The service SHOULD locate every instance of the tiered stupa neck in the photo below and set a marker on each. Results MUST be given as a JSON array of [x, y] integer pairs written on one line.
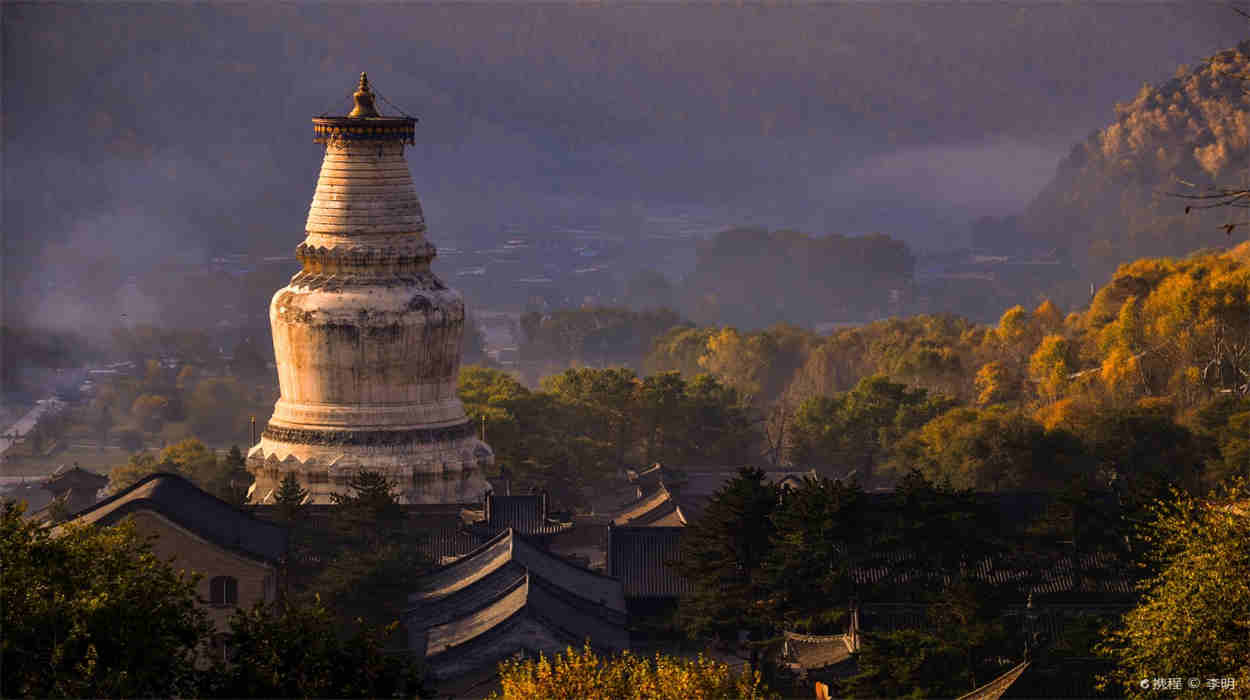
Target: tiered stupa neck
[[365, 222]]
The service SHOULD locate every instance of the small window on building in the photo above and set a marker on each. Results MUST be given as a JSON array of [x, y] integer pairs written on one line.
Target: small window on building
[[223, 590]]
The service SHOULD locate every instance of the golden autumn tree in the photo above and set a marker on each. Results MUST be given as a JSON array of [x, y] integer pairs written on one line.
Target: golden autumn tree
[[1052, 365], [1015, 334], [996, 383], [737, 359], [574, 675], [1048, 317]]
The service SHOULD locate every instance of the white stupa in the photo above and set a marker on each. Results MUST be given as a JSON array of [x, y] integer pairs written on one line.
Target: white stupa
[[366, 337]]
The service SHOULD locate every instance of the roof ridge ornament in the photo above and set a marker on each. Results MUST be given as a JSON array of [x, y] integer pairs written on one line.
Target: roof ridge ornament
[[364, 100]]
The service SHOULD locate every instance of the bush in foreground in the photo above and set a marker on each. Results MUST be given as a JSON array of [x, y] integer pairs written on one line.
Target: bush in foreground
[[575, 675]]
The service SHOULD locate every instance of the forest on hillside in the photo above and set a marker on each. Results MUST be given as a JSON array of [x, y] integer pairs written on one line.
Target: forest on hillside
[[1119, 194], [1151, 383]]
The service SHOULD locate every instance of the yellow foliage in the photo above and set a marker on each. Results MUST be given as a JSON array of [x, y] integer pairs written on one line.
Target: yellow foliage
[[1051, 365], [1120, 373], [1065, 413], [741, 361], [1161, 405], [1014, 326], [1048, 317], [994, 384], [574, 675]]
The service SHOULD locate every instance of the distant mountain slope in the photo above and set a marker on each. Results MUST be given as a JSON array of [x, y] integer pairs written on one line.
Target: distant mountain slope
[[1110, 200]]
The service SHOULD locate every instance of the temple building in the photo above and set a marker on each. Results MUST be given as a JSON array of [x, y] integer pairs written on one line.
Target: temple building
[[366, 338], [239, 556]]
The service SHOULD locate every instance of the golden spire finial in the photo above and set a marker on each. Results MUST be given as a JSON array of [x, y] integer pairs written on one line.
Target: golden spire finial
[[364, 100]]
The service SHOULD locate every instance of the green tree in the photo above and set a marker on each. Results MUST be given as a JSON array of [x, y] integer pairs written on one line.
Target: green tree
[[92, 612], [224, 478], [291, 649], [369, 506], [602, 405], [1141, 451], [723, 555], [989, 449], [373, 558], [1191, 619], [678, 350], [136, 468], [953, 654], [932, 529], [718, 428], [820, 536], [662, 417], [907, 663], [233, 479], [289, 498], [857, 430]]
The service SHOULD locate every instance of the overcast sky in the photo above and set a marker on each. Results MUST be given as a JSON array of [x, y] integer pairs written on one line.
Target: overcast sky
[[160, 128]]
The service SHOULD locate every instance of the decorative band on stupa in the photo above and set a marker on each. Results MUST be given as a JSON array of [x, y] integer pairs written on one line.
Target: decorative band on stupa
[[366, 337]]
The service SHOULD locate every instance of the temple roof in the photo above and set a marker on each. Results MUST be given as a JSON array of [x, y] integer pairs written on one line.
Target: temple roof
[[527, 514], [657, 508], [75, 477], [1097, 573], [812, 651], [510, 596], [182, 502], [995, 688], [510, 547], [640, 558], [689, 492]]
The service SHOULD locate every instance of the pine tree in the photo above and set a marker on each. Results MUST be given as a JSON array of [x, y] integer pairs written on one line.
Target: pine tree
[[723, 555], [234, 458], [289, 498], [235, 478]]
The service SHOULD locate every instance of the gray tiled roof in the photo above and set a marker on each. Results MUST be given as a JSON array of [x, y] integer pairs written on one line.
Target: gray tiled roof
[[75, 478], [995, 688], [182, 502], [506, 596], [640, 557], [808, 651], [1088, 573], [658, 507]]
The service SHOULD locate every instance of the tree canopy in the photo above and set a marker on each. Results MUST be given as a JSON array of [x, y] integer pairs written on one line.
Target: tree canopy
[[93, 612], [1191, 620]]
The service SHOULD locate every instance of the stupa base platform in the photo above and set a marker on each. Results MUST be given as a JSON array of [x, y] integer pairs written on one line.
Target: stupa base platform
[[444, 471]]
